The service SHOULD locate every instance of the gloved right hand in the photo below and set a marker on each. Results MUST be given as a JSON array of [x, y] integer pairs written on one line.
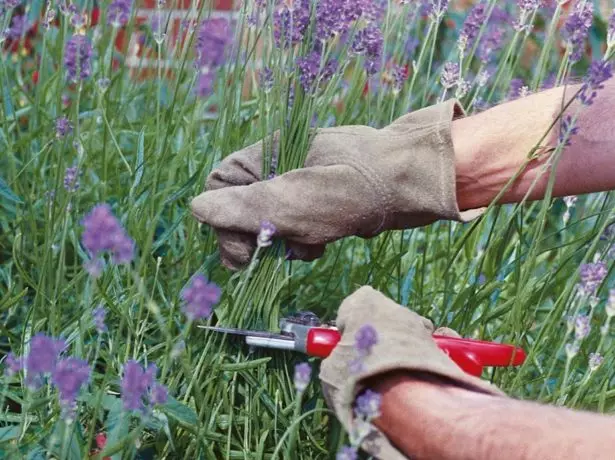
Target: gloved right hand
[[357, 180]]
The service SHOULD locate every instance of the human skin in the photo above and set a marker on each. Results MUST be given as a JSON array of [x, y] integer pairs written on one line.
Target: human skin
[[428, 418], [491, 146]]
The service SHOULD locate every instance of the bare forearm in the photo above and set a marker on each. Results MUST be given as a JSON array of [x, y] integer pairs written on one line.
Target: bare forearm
[[492, 145], [428, 420]]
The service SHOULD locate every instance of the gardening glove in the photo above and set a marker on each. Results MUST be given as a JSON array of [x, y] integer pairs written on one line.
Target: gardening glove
[[357, 180], [404, 342]]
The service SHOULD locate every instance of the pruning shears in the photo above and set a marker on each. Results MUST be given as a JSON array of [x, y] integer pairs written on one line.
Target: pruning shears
[[304, 332]]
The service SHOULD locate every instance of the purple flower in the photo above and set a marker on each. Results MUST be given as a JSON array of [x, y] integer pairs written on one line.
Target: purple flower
[[592, 275], [572, 349], [310, 72], [472, 25], [303, 374], [212, 39], [449, 76], [118, 13], [334, 17], [289, 26], [598, 73], [365, 338], [104, 233], [68, 377], [71, 179], [346, 453], [19, 26], [568, 129], [399, 75], [42, 358], [436, 8], [199, 298], [265, 234], [581, 327], [10, 4], [515, 88], [367, 405], [529, 5], [265, 77], [595, 360], [369, 42], [78, 58], [63, 127], [12, 365], [577, 27], [137, 385], [490, 42], [205, 82], [159, 394], [98, 318]]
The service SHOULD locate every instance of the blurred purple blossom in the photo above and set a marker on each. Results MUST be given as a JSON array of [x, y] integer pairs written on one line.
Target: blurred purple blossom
[[572, 349], [265, 77], [212, 38], [595, 360], [303, 374], [137, 385], [449, 76], [63, 127], [515, 88], [77, 58], [78, 19], [265, 234], [399, 76], [598, 73], [435, 8], [367, 405], [103, 232], [159, 394], [369, 42], [577, 27], [592, 275], [199, 297], [289, 26], [205, 82], [42, 357], [581, 327], [347, 453], [118, 13], [98, 318], [472, 25], [12, 365], [335, 17], [310, 72], [568, 128], [69, 375], [10, 4], [18, 27], [71, 179]]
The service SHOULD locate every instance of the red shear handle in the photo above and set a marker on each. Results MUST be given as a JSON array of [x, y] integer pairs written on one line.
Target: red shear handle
[[470, 355]]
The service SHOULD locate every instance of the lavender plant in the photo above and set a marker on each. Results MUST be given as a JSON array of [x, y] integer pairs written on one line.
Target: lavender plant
[[110, 123]]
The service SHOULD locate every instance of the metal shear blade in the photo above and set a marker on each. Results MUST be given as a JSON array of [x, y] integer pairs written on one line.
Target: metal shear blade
[[247, 333]]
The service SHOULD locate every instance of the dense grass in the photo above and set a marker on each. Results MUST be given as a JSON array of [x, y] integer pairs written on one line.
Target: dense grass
[[145, 146]]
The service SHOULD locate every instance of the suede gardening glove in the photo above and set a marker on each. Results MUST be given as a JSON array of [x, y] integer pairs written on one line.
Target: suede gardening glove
[[357, 180], [404, 342]]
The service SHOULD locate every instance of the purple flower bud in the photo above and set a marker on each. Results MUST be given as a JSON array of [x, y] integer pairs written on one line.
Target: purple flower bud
[[598, 73], [42, 358], [577, 27], [310, 72], [104, 233], [19, 26], [365, 338], [592, 275], [568, 129], [78, 58], [581, 327], [12, 365], [68, 377], [595, 360], [572, 349], [449, 76], [472, 25], [212, 39], [63, 127], [265, 234], [367, 405], [159, 394], [265, 77], [303, 374], [347, 453], [118, 13], [199, 298], [436, 8], [71, 179], [289, 26], [98, 318], [136, 384]]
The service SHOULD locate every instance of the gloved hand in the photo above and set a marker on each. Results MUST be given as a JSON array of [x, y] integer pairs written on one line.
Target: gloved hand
[[404, 342], [357, 180]]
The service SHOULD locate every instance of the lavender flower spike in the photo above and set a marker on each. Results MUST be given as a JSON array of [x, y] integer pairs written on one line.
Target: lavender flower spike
[[68, 377], [78, 58], [595, 360], [577, 27], [63, 127], [42, 358], [599, 72], [135, 385], [449, 77], [303, 374], [98, 318], [12, 365], [581, 327], [104, 233], [199, 298], [265, 234], [592, 275], [71, 179], [118, 13]]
